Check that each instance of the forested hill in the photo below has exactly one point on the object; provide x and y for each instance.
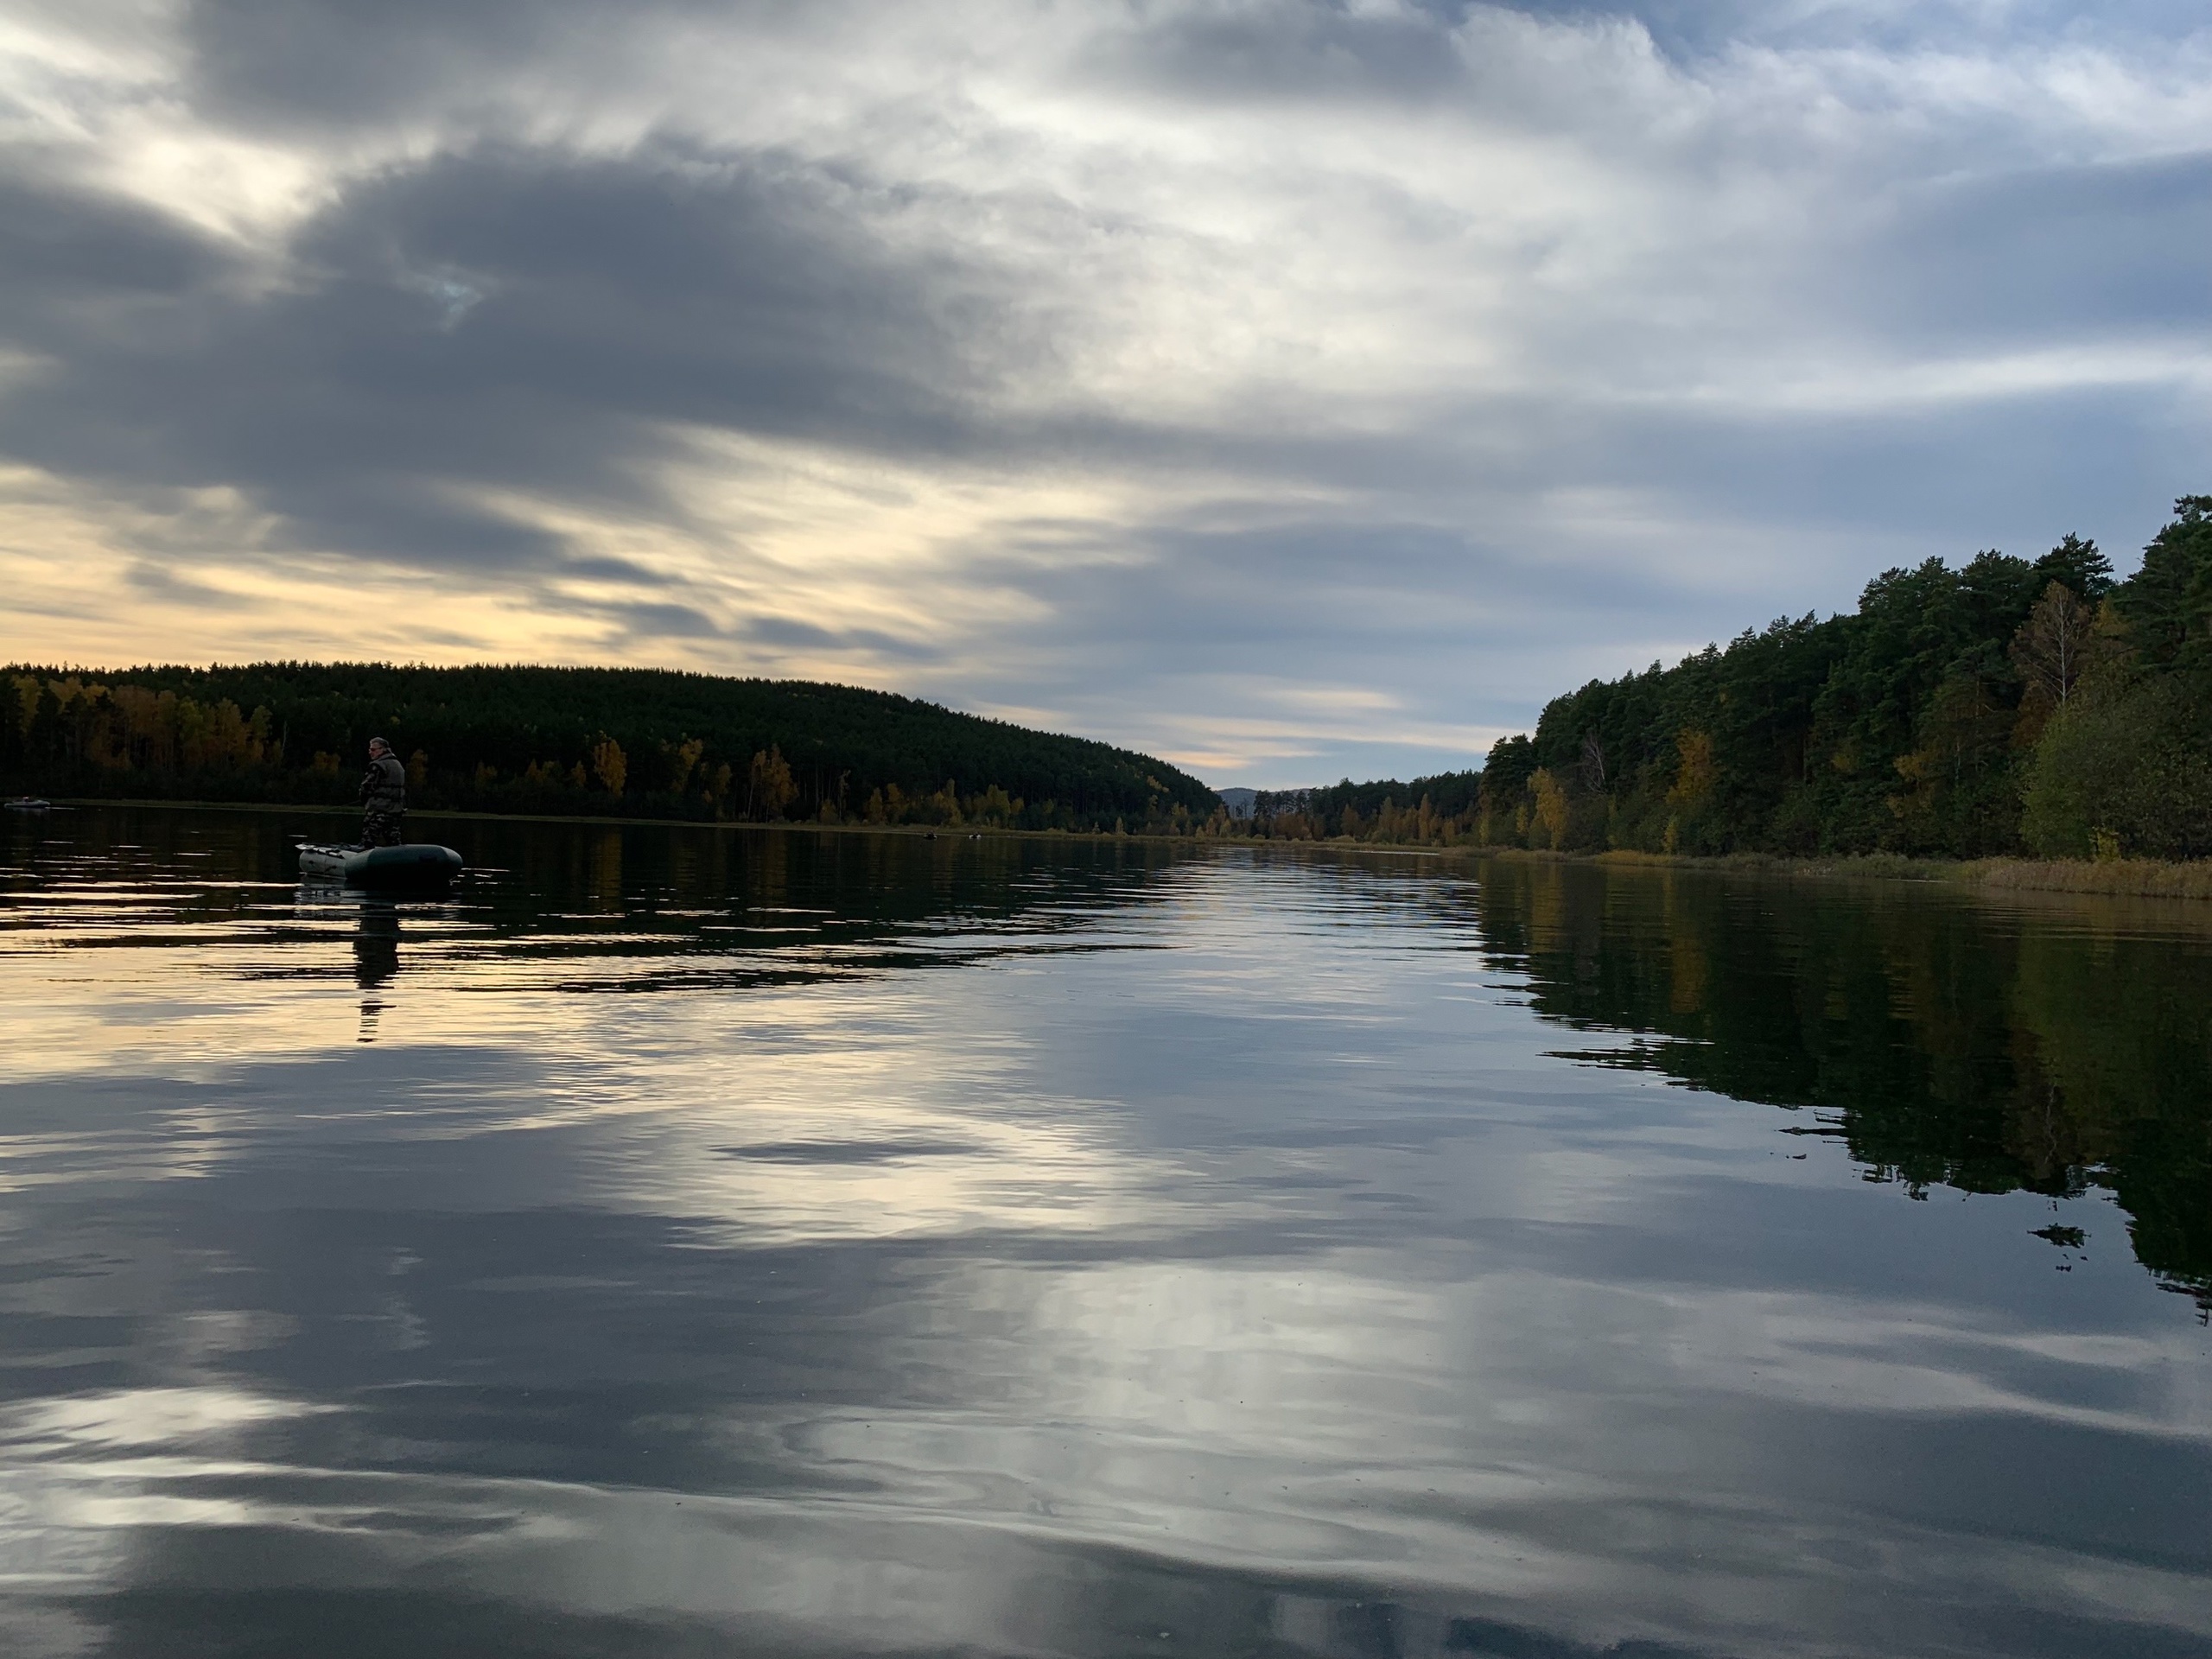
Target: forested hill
(630, 741)
(2007, 705)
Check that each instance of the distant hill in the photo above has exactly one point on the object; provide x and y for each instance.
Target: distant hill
(643, 742)
(1238, 802)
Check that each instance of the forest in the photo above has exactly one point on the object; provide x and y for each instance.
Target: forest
(629, 743)
(2004, 707)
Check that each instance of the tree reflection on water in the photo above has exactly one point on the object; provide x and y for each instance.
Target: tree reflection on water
(2050, 1043)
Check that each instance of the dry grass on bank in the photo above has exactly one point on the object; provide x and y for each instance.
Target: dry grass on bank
(2133, 878)
(2125, 878)
(1882, 866)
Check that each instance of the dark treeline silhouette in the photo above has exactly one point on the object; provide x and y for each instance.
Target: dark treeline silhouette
(633, 742)
(1443, 809)
(2007, 706)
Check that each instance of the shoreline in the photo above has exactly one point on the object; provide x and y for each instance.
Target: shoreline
(942, 832)
(2124, 877)
(2130, 877)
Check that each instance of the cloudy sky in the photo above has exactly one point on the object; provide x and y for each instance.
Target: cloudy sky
(1293, 388)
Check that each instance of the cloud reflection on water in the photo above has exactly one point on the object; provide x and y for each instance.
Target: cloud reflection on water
(1056, 1246)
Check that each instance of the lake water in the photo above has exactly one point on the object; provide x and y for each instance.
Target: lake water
(692, 1242)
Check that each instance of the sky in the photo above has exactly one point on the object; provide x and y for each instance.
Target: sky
(1294, 389)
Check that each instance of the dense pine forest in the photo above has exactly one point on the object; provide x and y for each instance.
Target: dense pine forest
(634, 742)
(2007, 706)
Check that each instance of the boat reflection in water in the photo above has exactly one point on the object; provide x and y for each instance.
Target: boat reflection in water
(376, 935)
(376, 945)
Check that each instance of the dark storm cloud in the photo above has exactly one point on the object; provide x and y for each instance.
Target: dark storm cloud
(66, 253)
(627, 572)
(1301, 51)
(2032, 251)
(1911, 478)
(1303, 591)
(664, 622)
(503, 321)
(872, 642)
(157, 581)
(342, 63)
(1690, 30)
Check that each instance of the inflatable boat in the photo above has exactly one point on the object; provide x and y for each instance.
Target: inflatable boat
(416, 864)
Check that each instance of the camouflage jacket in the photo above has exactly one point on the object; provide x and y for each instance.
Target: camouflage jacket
(383, 786)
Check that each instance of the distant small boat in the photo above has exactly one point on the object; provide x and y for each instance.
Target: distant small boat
(29, 803)
(416, 864)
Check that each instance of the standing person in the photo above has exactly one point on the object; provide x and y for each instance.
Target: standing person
(384, 796)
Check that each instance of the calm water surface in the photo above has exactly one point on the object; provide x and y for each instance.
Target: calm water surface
(693, 1243)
